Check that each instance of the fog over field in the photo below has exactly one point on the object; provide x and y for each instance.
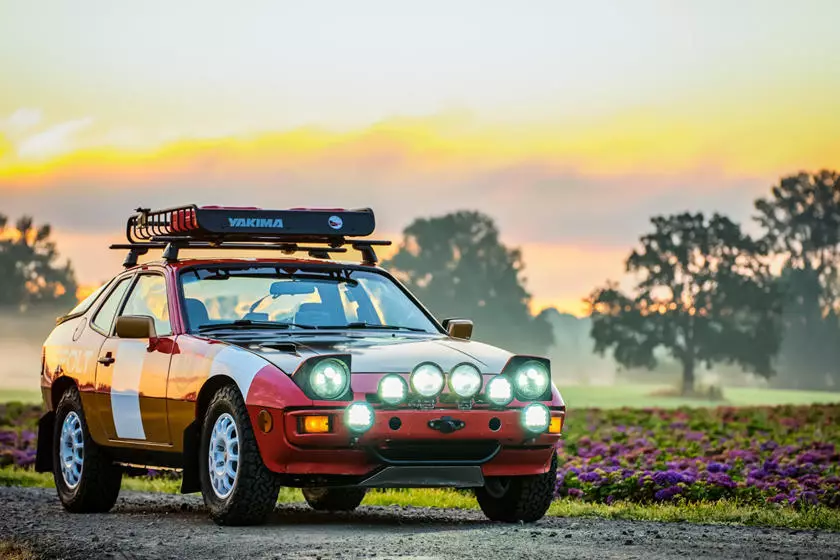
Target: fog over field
(573, 362)
(21, 337)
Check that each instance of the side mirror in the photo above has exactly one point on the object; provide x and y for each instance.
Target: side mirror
(458, 328)
(135, 326)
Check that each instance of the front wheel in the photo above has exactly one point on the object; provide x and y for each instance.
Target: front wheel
(518, 498)
(86, 479)
(238, 488)
(334, 499)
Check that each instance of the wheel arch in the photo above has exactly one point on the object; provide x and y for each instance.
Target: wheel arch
(59, 387)
(190, 481)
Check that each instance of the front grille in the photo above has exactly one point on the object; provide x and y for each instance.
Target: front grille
(436, 452)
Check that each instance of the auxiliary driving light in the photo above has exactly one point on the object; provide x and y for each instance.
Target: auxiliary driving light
(393, 389)
(531, 380)
(329, 378)
(465, 381)
(427, 380)
(536, 417)
(359, 417)
(500, 391)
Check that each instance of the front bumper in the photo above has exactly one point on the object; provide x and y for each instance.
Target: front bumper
(402, 450)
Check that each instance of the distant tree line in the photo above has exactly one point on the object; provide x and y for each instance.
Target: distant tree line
(706, 293)
(709, 293)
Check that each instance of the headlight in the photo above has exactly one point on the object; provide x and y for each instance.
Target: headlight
(536, 417)
(499, 391)
(392, 389)
(465, 381)
(359, 417)
(329, 378)
(531, 380)
(427, 380)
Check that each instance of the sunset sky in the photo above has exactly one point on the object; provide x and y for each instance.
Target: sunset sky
(571, 123)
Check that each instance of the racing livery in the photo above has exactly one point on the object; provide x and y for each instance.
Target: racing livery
(254, 373)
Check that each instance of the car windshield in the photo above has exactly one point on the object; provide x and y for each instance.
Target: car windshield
(292, 298)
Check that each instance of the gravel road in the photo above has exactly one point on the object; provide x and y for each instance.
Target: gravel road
(164, 526)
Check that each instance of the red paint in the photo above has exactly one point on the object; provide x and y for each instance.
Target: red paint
(284, 450)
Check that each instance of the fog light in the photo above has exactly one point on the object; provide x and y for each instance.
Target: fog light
(393, 389)
(536, 417)
(556, 425)
(359, 417)
(315, 424)
(500, 391)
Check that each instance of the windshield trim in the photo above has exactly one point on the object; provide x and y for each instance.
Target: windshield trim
(301, 266)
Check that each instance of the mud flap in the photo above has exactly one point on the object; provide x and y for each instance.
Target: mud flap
(190, 481)
(44, 451)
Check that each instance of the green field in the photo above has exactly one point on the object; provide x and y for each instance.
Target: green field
(617, 396)
(20, 395)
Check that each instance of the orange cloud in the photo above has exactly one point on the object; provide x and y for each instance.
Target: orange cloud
(770, 141)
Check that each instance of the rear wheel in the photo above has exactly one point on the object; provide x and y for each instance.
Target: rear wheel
(518, 498)
(334, 499)
(237, 487)
(86, 479)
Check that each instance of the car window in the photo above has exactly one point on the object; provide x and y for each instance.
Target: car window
(148, 298)
(86, 303)
(105, 316)
(305, 297)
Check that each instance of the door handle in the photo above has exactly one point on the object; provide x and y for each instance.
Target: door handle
(106, 360)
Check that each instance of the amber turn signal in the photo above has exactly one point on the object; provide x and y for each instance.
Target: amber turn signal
(556, 425)
(265, 421)
(314, 424)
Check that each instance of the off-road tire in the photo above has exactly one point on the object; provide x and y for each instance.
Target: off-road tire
(526, 498)
(334, 499)
(255, 490)
(99, 484)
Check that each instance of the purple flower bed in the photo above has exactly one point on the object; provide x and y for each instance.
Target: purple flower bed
(18, 424)
(781, 455)
(786, 455)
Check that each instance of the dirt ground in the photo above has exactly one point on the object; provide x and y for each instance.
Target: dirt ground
(165, 526)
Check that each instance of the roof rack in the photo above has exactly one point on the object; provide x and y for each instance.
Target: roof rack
(316, 231)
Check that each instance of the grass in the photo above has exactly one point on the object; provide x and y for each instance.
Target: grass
(26, 396)
(722, 512)
(640, 396)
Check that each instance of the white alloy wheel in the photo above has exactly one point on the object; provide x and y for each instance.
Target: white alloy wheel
(223, 460)
(72, 450)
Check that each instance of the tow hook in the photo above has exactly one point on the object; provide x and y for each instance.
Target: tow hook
(446, 425)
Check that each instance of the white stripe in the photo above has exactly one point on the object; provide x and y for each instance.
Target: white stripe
(125, 389)
(242, 366)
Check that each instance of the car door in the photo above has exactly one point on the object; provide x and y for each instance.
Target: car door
(133, 371)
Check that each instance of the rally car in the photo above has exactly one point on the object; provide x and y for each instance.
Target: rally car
(254, 373)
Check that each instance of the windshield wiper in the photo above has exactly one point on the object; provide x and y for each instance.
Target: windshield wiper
(249, 324)
(363, 325)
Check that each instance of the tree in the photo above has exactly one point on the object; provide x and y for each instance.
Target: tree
(703, 293)
(28, 267)
(457, 266)
(801, 222)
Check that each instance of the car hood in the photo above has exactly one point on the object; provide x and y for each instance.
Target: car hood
(384, 353)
